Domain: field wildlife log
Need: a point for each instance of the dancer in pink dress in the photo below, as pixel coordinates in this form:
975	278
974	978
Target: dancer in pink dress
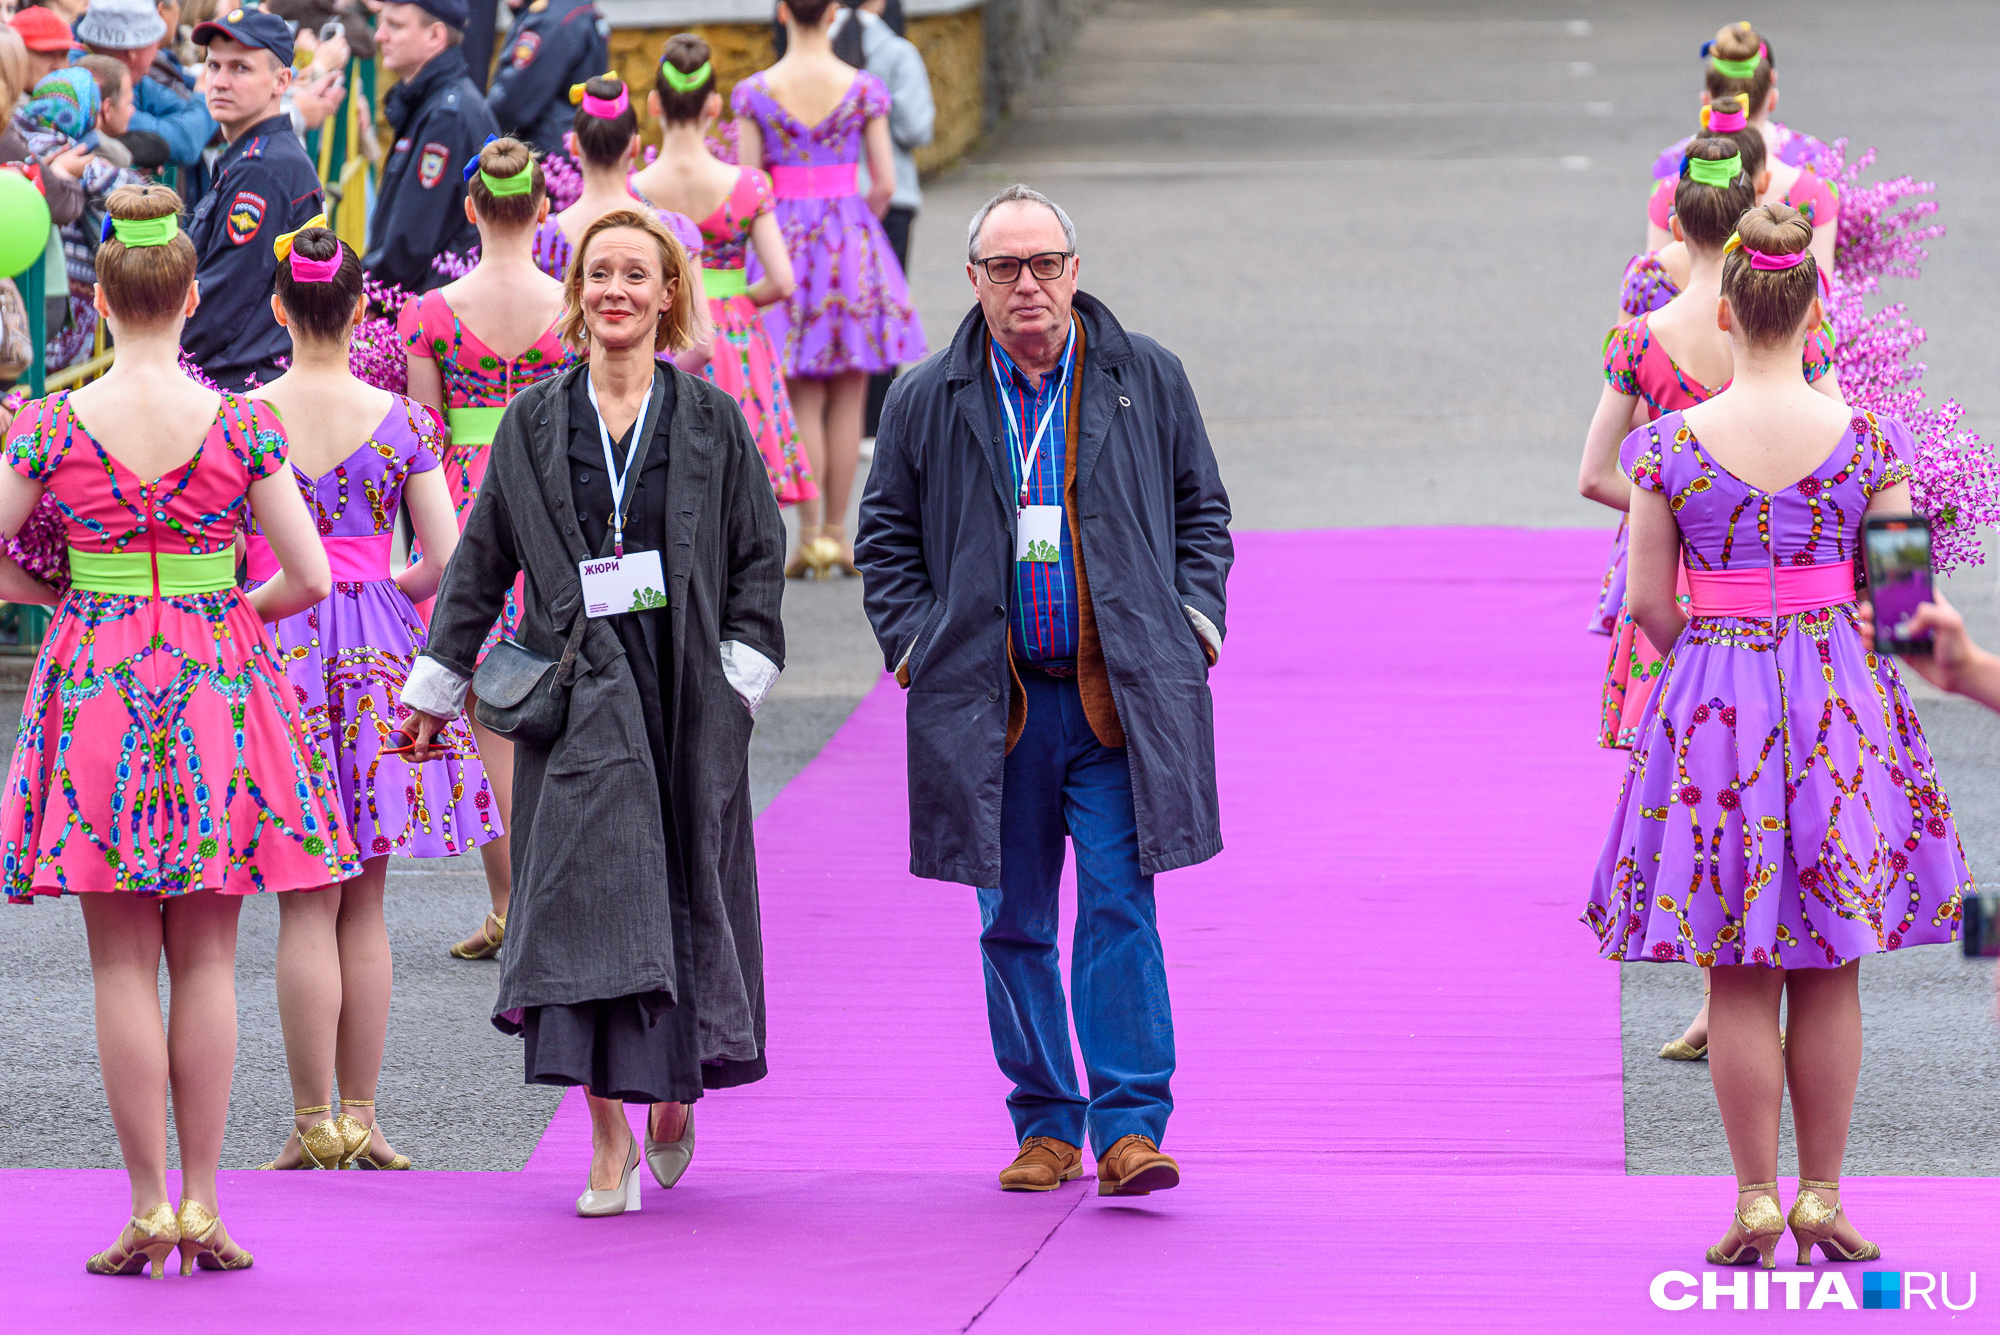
687	177
473	344
1671	358
1781	816
806	120
360	455
161	773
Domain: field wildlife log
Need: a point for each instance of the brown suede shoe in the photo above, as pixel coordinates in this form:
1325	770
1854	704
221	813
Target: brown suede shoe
1043	1164
1135	1167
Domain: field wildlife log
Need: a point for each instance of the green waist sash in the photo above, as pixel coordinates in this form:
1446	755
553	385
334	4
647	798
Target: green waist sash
132	572
720	283
473	426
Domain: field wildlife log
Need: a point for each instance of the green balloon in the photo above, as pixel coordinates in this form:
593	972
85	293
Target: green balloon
24	223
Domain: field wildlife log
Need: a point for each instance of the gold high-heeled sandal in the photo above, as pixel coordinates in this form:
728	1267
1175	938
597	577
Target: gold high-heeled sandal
493	932
321	1145
1812	1226
149	1239
1680	1050
838	554
205	1241
801	555
1760	1230
362	1157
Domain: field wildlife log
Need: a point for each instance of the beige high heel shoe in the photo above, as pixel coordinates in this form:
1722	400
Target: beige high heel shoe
1812	1225
361	1156
204	1240
149	1239
1759	1231
621	1199
838	555
322	1145
1680	1050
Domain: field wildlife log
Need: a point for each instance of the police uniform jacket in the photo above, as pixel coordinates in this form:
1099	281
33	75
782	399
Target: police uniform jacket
441	123
263	185
551	45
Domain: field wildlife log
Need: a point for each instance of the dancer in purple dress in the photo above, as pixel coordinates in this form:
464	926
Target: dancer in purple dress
805	120
1781	816
360	454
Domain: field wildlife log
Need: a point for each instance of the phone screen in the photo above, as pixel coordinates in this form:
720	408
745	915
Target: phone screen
1899	577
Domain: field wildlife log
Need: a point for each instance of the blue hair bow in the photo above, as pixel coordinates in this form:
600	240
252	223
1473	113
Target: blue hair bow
472	167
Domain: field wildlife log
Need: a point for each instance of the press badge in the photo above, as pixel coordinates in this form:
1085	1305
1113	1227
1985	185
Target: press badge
1038	533
628	583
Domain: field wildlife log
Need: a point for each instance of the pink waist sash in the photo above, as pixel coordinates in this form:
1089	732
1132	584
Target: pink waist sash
828	182
1747	593
355	559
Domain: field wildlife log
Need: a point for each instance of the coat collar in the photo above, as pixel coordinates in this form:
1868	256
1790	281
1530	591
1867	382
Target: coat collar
1105	343
405	98
1105	346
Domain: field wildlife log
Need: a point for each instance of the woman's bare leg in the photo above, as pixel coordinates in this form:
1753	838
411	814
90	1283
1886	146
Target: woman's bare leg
809	409
610	1143
309	1002
366	977
496	756
125	933
1823	1063
200	939
846	400
1747	1067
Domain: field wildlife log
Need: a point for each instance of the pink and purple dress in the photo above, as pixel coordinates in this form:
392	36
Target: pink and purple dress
851	310
1781	806
349	657
552	251
478	385
1636	364
160	752
743	362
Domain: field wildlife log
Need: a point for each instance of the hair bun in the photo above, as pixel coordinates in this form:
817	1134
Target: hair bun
1775	229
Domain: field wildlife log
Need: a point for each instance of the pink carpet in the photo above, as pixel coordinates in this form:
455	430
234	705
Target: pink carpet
1399	1091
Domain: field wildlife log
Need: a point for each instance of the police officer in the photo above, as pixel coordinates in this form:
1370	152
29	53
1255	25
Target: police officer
551	45
441	121
263	186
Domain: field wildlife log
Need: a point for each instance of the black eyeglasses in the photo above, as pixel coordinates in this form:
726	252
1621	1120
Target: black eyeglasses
1005	269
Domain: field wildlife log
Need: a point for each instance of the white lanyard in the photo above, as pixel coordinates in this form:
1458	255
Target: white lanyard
1013	423
632	456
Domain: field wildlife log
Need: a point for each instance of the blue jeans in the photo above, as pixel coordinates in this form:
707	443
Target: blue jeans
1061	781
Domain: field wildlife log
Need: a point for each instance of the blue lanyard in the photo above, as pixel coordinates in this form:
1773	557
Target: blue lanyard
1027	457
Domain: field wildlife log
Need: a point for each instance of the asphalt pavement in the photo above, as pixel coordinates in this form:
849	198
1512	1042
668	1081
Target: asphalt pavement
1386	240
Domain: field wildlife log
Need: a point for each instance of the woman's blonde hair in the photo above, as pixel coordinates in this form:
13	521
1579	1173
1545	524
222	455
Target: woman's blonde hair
13	69
678	322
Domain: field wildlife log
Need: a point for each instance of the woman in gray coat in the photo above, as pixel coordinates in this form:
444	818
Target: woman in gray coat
634	959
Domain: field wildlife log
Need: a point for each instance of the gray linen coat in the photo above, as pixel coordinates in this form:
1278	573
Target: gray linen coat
590	917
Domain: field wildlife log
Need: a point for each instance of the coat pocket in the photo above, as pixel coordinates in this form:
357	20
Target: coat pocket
926	636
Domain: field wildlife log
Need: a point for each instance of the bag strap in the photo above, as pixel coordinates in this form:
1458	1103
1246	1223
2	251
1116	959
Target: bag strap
565	669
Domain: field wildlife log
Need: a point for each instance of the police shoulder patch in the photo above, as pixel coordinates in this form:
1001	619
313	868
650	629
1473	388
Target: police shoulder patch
524	50
246	215
431	164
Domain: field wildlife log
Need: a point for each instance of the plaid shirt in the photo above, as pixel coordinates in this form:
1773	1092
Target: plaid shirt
1044	615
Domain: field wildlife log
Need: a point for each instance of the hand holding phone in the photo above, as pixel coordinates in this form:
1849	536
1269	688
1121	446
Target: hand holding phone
1898	552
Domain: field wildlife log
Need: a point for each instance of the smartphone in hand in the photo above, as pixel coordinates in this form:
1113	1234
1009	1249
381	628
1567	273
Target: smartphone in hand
1898	551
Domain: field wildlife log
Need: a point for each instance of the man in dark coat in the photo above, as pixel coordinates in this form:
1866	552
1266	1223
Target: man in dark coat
1045	524
551	45
264	185
441	122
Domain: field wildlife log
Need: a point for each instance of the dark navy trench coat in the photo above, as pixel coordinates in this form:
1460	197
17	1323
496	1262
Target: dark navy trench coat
936	545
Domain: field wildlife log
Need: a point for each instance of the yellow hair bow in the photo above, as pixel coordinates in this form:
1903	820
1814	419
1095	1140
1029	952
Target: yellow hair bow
1735	242
282	247
577	90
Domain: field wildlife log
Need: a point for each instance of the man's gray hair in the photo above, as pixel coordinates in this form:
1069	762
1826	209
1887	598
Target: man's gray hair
1017	194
